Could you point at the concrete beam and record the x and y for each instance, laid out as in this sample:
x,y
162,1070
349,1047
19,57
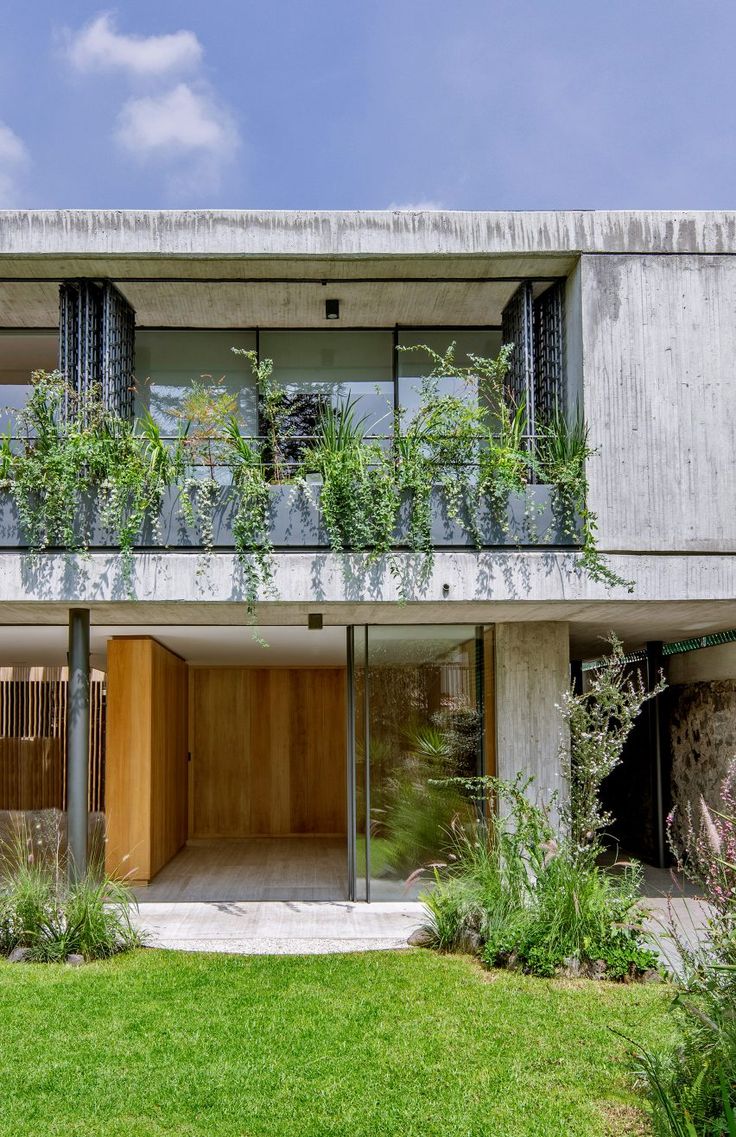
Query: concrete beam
x,y
243,233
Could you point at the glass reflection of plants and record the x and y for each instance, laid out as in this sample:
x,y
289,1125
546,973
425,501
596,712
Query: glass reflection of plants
x,y
415,809
474,446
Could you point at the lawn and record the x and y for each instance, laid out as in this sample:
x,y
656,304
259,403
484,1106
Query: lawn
x,y
413,1043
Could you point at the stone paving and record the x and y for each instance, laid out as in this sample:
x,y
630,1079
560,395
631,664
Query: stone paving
x,y
279,927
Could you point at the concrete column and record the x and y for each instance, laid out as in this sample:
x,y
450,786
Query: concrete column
x,y
532,672
78,740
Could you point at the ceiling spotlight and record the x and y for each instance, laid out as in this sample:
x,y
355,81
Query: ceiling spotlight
x,y
332,309
314,621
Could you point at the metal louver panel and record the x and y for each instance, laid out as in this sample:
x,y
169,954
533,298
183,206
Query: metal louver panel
x,y
517,320
117,345
96,342
549,392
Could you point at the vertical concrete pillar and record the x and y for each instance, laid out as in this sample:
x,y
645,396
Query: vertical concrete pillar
x,y
78,740
532,672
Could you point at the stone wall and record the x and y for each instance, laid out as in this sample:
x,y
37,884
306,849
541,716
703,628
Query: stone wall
x,y
702,737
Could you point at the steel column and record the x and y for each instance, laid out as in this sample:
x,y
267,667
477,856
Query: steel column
x,y
78,741
350,752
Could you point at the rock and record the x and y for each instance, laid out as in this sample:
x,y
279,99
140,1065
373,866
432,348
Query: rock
x,y
18,955
651,976
420,938
75,960
570,968
598,969
512,961
469,942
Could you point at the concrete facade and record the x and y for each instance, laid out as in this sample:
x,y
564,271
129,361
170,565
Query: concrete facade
x,y
531,674
650,339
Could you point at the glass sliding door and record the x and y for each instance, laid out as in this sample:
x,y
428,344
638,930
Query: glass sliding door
x,y
419,726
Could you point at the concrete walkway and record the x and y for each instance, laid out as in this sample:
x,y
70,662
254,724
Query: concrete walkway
x,y
278,927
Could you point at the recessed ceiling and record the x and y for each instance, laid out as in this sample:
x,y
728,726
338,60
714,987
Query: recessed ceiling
x,y
378,304
212,646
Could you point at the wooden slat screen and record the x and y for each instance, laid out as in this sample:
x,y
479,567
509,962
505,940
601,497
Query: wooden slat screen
x,y
33,705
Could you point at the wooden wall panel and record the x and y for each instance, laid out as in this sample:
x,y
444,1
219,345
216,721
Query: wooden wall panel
x,y
268,751
146,792
128,765
169,746
33,705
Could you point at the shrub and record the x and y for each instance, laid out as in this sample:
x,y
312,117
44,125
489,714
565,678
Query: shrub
x,y
580,915
598,722
53,916
525,897
692,1084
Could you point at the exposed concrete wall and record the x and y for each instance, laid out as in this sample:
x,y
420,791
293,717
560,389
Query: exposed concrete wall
x,y
704,665
702,733
659,339
289,233
574,339
493,576
531,672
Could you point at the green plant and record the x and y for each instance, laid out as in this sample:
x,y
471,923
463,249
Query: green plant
x,y
598,721
524,898
448,914
76,455
250,522
562,450
692,1081
358,499
51,916
584,913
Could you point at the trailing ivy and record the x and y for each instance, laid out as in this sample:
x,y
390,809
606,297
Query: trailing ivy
x,y
73,463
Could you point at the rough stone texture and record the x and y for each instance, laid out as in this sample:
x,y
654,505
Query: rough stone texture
x,y
702,732
18,955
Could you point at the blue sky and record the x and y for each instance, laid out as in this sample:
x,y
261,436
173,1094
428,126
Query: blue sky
x,y
320,104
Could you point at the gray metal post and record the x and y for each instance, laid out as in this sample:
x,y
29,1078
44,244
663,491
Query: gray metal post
x,y
350,747
77,760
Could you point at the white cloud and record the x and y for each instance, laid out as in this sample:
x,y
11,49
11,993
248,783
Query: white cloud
x,y
416,207
177,122
13,159
99,47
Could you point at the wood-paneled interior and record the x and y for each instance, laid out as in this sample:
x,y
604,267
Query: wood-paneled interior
x,y
33,710
146,803
268,751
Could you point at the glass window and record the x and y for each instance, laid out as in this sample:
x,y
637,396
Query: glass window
x,y
414,366
21,353
337,365
422,690
167,363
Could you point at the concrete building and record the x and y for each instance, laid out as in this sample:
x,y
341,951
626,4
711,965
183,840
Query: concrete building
x,y
279,771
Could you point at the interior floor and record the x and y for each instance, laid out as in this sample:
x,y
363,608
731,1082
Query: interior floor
x,y
253,868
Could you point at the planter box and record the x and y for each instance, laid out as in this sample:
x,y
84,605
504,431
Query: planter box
x,y
296,523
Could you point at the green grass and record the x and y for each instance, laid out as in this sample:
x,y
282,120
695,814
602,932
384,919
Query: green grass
x,y
413,1043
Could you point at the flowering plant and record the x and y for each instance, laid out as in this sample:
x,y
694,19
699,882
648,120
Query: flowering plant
x,y
709,853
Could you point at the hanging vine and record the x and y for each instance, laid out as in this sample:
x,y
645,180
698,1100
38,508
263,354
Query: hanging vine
x,y
74,466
